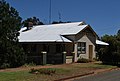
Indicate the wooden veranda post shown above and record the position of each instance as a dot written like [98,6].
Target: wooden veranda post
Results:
[73,59]
[64,57]
[44,58]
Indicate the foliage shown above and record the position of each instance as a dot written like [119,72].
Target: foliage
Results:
[29,64]
[10,51]
[83,60]
[47,71]
[5,65]
[32,21]
[118,33]
[110,54]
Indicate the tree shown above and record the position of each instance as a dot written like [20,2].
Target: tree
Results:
[11,54]
[33,21]
[118,41]
[118,33]
[110,54]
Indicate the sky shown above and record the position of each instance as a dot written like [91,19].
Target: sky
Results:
[102,15]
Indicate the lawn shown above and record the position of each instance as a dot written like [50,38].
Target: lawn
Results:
[62,71]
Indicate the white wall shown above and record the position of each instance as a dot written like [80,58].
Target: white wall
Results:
[88,42]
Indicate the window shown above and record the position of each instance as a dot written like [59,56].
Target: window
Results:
[59,48]
[81,48]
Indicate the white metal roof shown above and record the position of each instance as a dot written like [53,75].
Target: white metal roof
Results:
[101,42]
[50,33]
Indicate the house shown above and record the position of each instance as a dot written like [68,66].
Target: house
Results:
[61,42]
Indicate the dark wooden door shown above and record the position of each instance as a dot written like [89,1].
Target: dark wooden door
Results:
[90,52]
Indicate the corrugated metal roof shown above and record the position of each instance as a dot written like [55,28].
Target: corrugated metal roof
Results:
[50,33]
[101,42]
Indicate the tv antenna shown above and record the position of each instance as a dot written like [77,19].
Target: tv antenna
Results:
[59,14]
[50,12]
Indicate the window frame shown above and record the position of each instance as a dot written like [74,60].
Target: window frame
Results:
[81,48]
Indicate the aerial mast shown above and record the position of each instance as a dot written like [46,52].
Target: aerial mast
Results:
[50,13]
[59,14]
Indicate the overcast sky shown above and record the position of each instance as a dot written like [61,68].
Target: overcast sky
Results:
[102,15]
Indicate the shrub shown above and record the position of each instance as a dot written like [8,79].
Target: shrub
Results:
[34,70]
[83,60]
[29,64]
[95,59]
[46,71]
[5,65]
[110,54]
[116,58]
[111,58]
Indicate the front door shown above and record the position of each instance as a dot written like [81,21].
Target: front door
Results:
[90,52]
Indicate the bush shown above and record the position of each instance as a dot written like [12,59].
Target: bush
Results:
[110,54]
[111,58]
[83,60]
[95,59]
[5,65]
[46,71]
[29,64]
[116,58]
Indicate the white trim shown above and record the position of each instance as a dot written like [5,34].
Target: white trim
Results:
[101,42]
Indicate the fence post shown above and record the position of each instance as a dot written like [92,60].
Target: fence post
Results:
[44,58]
[64,57]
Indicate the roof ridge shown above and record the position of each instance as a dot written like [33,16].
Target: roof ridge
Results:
[63,24]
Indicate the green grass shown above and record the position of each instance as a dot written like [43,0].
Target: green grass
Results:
[62,71]
[101,66]
[26,76]
[94,66]
[13,76]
